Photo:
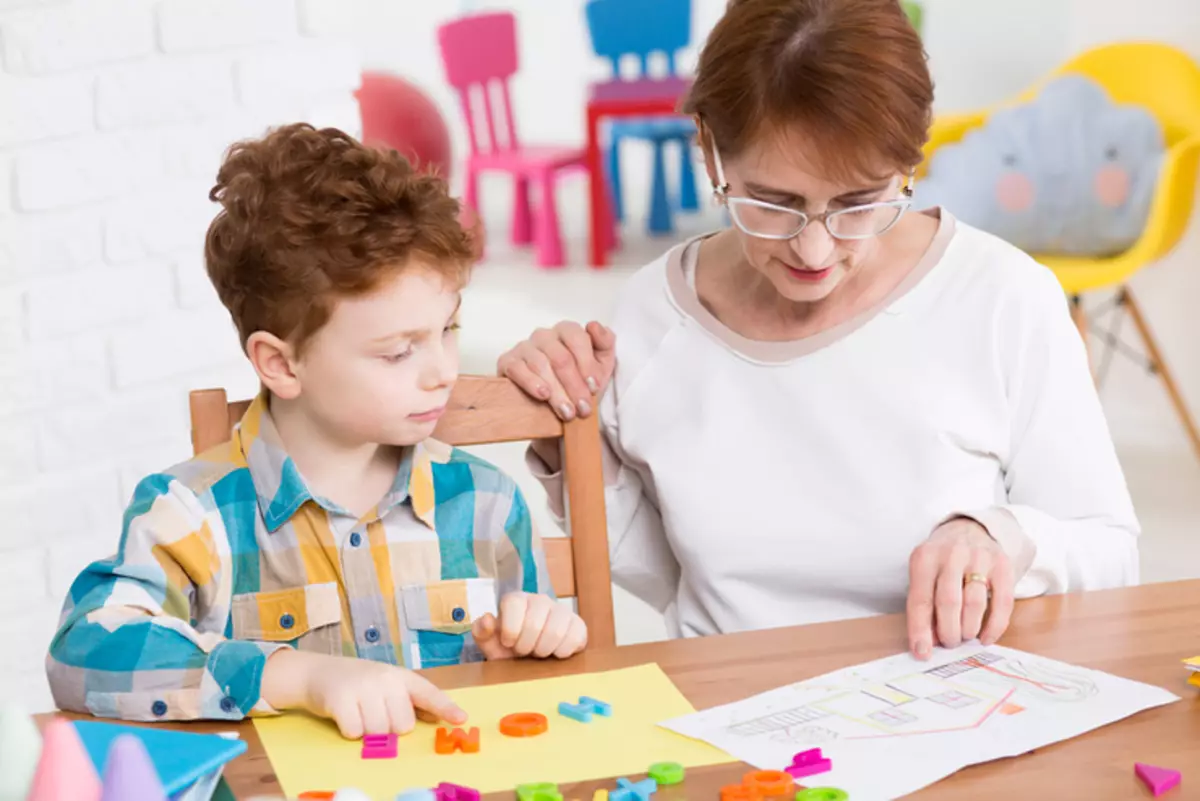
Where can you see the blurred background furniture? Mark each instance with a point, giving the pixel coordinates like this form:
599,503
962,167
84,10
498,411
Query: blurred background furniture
663,27
479,54
1165,81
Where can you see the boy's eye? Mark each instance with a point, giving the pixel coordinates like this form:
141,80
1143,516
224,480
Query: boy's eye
398,357
452,327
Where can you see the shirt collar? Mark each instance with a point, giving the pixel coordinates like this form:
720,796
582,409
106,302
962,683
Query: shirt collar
281,490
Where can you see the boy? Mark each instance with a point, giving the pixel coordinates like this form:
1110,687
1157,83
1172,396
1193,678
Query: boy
331,546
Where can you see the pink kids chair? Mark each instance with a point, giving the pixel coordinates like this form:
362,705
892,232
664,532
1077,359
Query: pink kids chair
481,51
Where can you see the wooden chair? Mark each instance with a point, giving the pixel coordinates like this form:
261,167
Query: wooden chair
491,410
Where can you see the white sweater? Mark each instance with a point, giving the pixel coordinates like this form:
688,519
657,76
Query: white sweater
755,484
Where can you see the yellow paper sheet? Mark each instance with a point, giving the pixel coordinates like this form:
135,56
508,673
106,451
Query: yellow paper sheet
1193,663
309,754
1194,680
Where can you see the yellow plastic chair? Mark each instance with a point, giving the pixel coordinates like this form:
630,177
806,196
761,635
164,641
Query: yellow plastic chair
1166,82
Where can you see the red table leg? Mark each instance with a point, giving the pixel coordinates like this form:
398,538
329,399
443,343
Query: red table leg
602,224
597,203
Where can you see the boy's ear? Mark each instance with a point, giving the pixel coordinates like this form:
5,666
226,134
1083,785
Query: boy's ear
275,362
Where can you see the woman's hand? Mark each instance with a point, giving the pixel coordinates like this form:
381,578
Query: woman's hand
567,366
950,577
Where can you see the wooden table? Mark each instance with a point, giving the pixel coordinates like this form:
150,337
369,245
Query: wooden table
1140,633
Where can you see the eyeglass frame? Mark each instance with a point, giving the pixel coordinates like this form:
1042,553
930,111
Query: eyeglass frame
721,191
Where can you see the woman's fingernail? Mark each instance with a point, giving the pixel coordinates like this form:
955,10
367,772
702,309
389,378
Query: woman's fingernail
592,385
566,412
923,649
584,408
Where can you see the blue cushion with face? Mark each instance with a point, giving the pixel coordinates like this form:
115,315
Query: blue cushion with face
1069,173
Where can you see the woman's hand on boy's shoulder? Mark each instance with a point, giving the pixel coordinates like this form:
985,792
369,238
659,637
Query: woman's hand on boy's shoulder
530,625
568,366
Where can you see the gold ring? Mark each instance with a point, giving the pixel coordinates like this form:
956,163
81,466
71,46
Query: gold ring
972,577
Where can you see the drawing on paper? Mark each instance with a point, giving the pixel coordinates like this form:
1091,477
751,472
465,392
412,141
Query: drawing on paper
971,704
959,695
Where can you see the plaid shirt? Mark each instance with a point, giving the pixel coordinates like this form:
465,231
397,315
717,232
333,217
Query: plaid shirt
228,557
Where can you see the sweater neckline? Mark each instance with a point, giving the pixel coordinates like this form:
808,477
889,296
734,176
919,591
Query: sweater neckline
681,262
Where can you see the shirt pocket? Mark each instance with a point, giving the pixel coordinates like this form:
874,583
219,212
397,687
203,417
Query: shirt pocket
308,618
439,616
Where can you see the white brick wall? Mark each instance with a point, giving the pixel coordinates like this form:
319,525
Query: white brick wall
115,117
56,106
185,25
295,72
190,89
71,36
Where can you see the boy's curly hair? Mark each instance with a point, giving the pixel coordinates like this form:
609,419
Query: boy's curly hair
310,216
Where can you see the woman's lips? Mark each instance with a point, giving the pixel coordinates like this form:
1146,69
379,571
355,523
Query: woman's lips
811,276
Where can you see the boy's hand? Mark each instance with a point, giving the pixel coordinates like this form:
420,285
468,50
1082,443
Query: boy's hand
530,625
360,696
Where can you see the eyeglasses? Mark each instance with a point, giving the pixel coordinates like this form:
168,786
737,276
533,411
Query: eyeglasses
770,221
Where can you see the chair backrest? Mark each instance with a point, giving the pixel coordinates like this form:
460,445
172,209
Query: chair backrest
485,410
479,54
639,28
1158,77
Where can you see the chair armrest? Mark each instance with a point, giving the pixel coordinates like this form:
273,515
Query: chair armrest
1175,194
1170,211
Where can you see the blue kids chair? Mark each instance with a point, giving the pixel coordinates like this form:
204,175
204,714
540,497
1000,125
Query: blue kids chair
642,28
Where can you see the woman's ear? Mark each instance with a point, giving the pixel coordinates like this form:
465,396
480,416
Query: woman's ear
275,362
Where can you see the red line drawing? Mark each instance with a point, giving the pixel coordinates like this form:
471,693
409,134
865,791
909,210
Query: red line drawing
1038,684
990,711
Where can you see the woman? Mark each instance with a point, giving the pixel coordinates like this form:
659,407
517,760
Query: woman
838,406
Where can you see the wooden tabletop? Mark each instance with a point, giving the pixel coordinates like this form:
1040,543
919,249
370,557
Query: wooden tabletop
1139,633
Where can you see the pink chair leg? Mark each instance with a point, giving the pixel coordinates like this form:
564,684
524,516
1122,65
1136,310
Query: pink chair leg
549,238
522,219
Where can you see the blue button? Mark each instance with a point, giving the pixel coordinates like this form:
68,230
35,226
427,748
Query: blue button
372,634
229,705
458,614
355,540
287,621
159,708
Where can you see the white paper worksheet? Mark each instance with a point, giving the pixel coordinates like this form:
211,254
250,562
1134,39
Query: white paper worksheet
896,725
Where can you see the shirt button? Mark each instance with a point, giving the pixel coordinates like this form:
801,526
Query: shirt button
458,614
228,704
372,634
355,540
159,708
287,621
